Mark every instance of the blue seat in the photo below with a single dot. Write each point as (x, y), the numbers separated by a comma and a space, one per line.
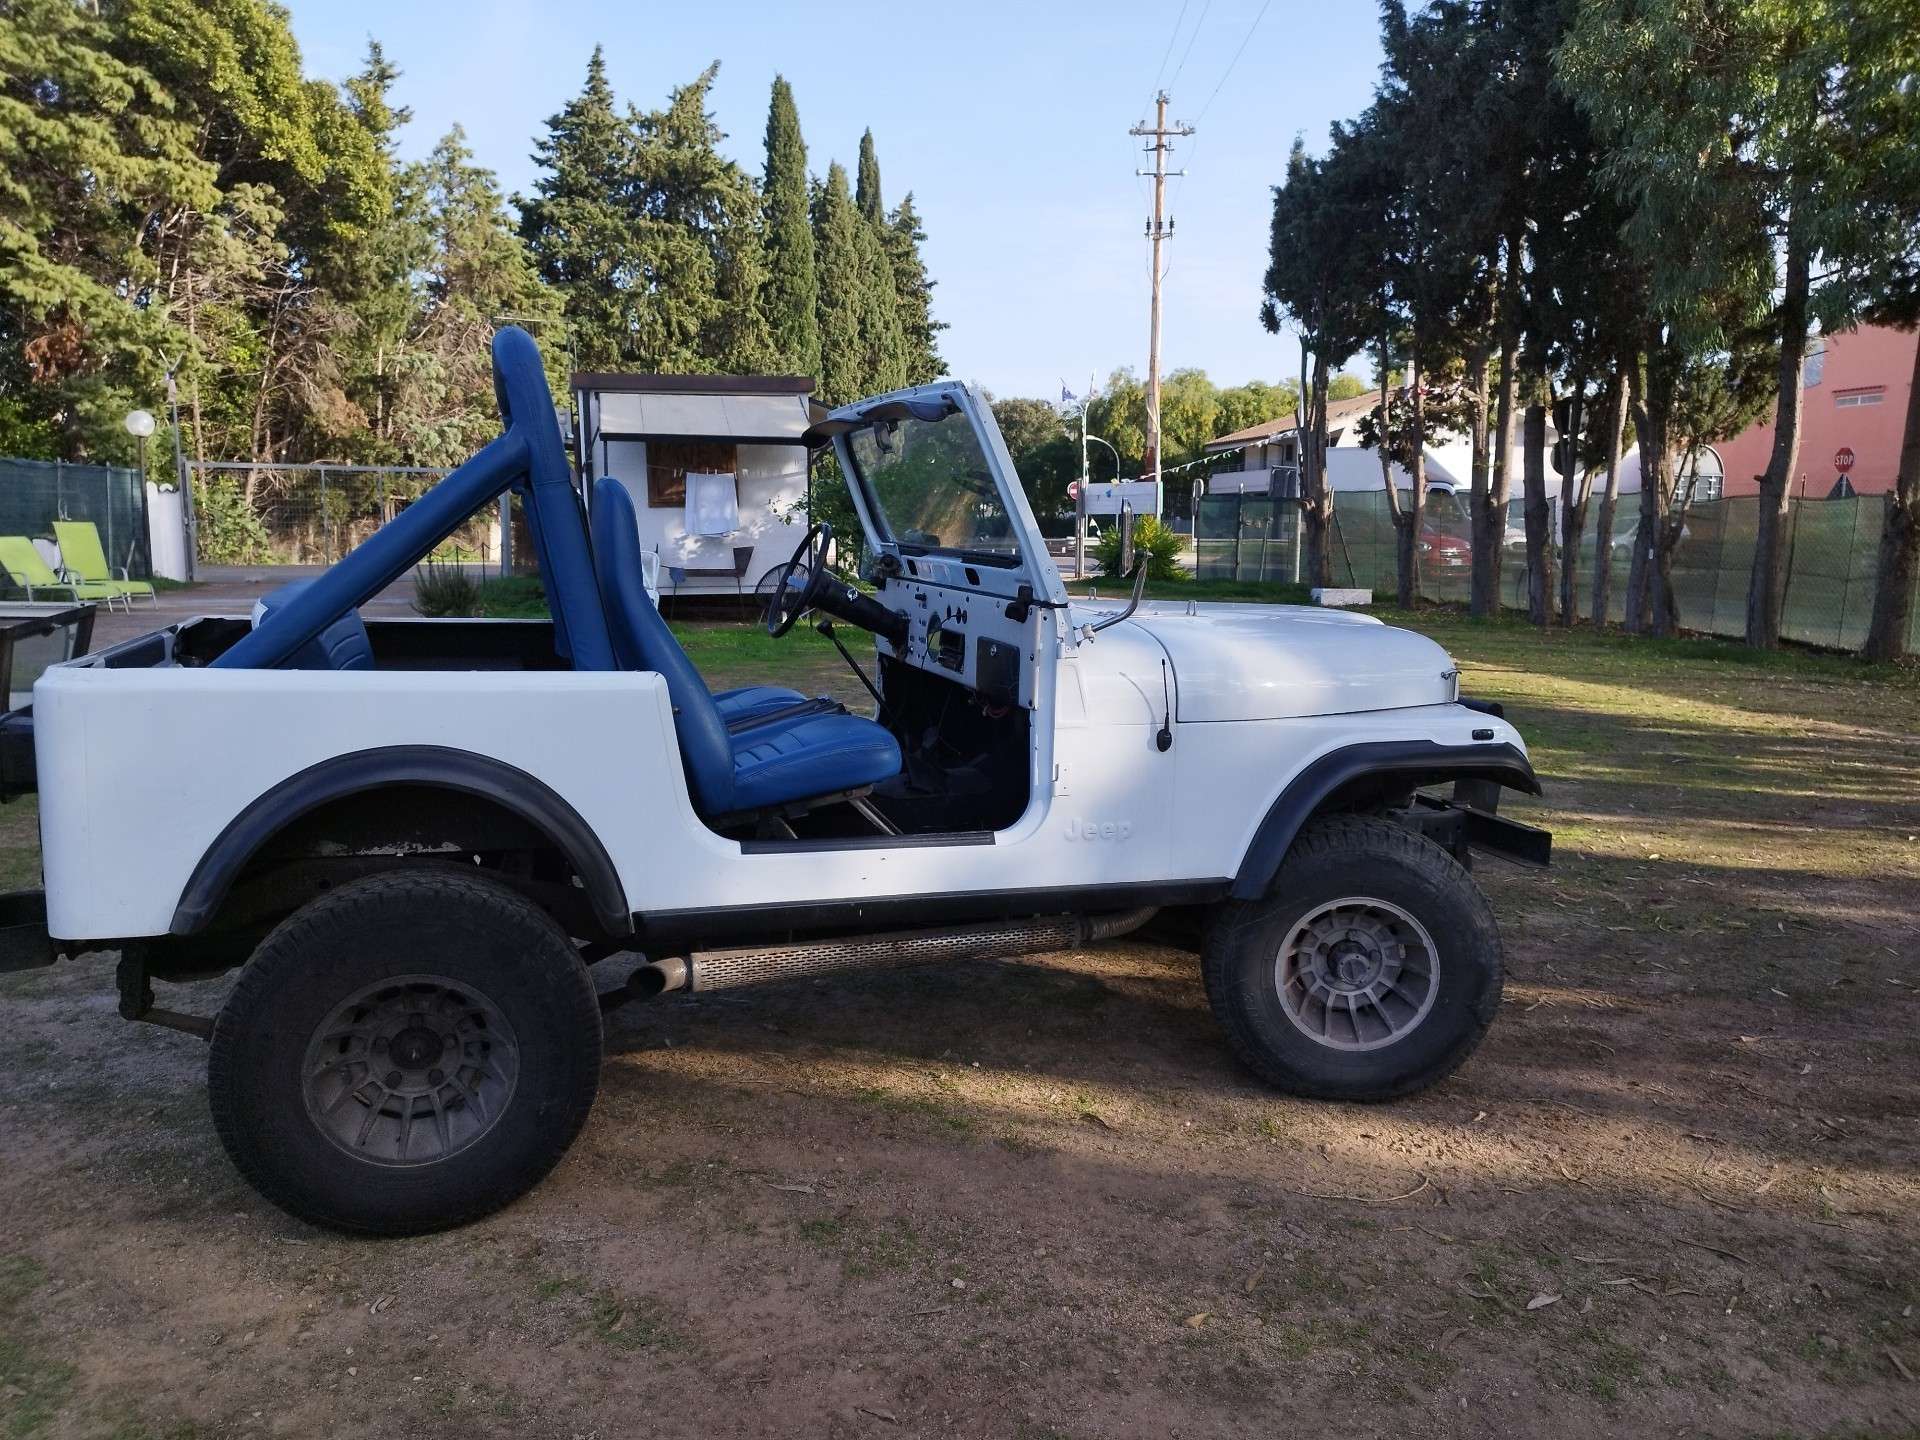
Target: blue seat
(343, 645)
(781, 763)
(752, 701)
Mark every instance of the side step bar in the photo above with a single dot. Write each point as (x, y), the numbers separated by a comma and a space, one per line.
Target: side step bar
(704, 970)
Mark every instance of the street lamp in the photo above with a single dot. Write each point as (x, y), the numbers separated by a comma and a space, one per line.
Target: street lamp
(140, 425)
(1080, 501)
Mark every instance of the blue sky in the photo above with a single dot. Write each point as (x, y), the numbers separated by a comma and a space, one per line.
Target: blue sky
(1007, 121)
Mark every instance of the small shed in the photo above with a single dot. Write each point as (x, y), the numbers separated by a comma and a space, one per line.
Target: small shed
(716, 466)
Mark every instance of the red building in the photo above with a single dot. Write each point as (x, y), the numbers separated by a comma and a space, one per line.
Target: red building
(1857, 389)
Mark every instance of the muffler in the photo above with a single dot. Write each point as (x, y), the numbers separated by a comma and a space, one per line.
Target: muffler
(705, 970)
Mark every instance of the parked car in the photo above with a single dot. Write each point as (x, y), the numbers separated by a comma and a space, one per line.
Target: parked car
(417, 839)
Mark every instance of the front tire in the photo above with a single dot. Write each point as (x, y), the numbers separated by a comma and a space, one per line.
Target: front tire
(405, 1054)
(1371, 971)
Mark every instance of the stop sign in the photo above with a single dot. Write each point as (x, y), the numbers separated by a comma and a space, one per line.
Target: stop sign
(1843, 459)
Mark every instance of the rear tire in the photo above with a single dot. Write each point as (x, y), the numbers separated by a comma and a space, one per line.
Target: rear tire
(1371, 971)
(405, 1054)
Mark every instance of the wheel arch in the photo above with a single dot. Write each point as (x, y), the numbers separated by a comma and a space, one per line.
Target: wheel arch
(482, 778)
(1349, 776)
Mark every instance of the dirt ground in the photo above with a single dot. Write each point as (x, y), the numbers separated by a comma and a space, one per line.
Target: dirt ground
(1674, 1193)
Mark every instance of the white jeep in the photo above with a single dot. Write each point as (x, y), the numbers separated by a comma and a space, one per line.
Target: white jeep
(415, 838)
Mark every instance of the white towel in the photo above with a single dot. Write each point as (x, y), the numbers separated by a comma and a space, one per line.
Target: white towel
(713, 503)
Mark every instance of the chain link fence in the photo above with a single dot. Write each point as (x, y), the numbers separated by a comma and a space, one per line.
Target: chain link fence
(1832, 554)
(247, 514)
(35, 493)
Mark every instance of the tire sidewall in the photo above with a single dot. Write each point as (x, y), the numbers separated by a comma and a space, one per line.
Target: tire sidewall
(1418, 878)
(475, 934)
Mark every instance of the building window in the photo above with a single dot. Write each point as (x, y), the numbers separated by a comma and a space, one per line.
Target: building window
(1701, 488)
(668, 462)
(1859, 397)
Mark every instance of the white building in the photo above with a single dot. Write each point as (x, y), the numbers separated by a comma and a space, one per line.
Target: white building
(716, 466)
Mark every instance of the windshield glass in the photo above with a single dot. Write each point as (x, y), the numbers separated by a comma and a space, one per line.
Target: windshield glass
(931, 488)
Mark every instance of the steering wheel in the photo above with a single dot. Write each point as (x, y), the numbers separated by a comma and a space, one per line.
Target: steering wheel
(790, 600)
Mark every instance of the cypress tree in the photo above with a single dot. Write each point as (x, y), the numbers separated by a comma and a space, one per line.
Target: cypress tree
(913, 297)
(840, 302)
(791, 284)
(866, 192)
(882, 348)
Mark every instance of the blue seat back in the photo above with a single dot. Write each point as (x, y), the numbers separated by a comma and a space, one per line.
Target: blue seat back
(343, 645)
(642, 641)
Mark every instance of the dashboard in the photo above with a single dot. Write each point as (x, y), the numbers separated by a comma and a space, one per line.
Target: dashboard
(963, 635)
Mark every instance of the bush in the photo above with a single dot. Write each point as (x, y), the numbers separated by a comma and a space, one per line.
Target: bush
(445, 590)
(1160, 544)
(229, 530)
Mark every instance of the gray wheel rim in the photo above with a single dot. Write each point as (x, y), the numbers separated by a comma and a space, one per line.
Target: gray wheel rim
(410, 1070)
(1357, 974)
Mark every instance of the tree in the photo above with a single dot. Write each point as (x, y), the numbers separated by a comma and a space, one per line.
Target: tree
(1046, 458)
(577, 228)
(1241, 407)
(1889, 196)
(475, 270)
(843, 301)
(792, 321)
(1737, 124)
(913, 295)
(866, 190)
(651, 235)
(1320, 279)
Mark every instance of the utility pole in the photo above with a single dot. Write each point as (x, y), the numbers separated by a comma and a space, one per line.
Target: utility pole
(1159, 228)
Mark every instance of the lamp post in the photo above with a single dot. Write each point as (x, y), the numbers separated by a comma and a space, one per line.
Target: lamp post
(1080, 503)
(139, 424)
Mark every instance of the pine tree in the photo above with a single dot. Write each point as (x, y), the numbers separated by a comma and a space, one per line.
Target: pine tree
(883, 349)
(375, 280)
(913, 296)
(866, 190)
(842, 299)
(702, 215)
(792, 321)
(476, 270)
(577, 228)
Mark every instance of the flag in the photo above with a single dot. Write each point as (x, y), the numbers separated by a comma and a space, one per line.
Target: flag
(1066, 395)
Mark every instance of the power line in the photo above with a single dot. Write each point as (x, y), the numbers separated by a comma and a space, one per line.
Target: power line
(1245, 41)
(1168, 52)
(1198, 26)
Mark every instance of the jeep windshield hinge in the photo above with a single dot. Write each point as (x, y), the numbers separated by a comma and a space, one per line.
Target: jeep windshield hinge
(1024, 604)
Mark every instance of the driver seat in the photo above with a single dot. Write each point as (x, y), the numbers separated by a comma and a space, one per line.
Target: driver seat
(774, 766)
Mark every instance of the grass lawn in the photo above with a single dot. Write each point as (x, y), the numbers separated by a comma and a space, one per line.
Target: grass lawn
(1677, 1191)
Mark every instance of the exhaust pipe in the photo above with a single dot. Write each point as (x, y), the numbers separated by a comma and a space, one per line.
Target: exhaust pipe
(705, 970)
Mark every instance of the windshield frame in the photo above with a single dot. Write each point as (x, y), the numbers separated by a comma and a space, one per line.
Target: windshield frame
(880, 524)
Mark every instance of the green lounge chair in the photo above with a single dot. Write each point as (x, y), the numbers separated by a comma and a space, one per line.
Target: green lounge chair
(27, 570)
(82, 557)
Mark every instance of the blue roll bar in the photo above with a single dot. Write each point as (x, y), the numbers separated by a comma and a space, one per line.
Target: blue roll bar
(531, 459)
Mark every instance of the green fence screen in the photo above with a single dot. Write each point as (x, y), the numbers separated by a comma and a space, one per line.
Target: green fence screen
(35, 493)
(1832, 556)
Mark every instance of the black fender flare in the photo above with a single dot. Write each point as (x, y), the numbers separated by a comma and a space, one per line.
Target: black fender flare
(1403, 763)
(434, 766)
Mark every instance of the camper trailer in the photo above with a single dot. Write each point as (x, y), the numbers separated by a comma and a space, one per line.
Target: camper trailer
(716, 467)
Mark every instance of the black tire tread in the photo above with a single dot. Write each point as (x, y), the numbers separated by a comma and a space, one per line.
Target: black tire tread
(1330, 836)
(294, 945)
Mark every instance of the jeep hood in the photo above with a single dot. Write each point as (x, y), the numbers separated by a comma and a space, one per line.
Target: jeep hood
(1272, 662)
